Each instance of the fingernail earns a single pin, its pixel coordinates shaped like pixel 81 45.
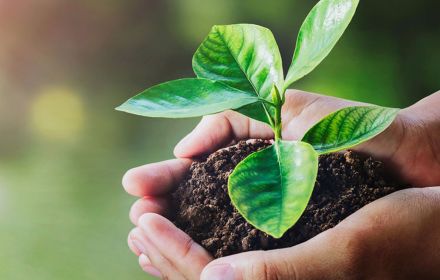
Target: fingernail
pixel 139 246
pixel 152 270
pixel 218 272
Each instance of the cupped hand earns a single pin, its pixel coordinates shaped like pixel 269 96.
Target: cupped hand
pixel 166 251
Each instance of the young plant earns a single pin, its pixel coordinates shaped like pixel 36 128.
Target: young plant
pixel 239 68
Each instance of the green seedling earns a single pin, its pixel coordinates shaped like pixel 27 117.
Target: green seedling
pixel 238 67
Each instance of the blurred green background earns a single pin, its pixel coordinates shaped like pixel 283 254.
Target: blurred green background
pixel 64 66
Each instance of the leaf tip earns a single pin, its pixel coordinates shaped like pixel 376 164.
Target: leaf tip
pixel 217 27
pixel 121 108
pixel 124 107
pixel 276 235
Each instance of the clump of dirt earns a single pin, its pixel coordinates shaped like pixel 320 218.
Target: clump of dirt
pixel 346 182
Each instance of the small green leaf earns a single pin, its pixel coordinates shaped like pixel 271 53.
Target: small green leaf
pixel 243 56
pixel 187 98
pixel 349 127
pixel 319 33
pixel 271 188
pixel 258 111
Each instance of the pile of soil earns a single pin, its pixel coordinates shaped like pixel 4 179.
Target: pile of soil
pixel 346 182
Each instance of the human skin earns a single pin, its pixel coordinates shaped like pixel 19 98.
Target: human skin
pixel 395 237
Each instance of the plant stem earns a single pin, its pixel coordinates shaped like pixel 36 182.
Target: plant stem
pixel 277 131
pixel 278 125
pixel 278 102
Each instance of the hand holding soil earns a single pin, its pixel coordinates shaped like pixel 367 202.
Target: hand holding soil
pixel 393 237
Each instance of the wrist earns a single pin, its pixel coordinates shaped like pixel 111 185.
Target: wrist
pixel 411 145
pixel 419 146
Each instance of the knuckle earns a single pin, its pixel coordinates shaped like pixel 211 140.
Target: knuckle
pixel 353 245
pixel 271 272
pixel 162 264
pixel 144 261
pixel 187 247
pixel 261 268
pixel 291 270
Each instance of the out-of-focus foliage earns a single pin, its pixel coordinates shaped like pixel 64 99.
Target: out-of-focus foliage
pixel 64 66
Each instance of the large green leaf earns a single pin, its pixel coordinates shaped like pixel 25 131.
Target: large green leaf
pixel 319 33
pixel 271 188
pixel 243 56
pixel 187 98
pixel 349 127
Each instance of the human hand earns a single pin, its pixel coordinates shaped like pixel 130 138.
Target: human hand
pixel 155 234
pixel 396 237
pixel 410 146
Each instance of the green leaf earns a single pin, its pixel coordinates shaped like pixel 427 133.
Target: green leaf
pixel 243 56
pixel 187 98
pixel 271 188
pixel 258 111
pixel 319 33
pixel 349 127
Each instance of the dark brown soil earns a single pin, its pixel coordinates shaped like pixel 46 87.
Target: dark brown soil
pixel 345 183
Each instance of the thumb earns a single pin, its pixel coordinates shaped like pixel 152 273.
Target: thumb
pixel 251 265
pixel 213 132
pixel 216 131
pixel 327 255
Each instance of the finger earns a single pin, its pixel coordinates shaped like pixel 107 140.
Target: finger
pixel 158 205
pixel 326 254
pixel 217 131
pixel 174 245
pixel 146 247
pixel 146 266
pixel 211 133
pixel 131 245
pixel 155 178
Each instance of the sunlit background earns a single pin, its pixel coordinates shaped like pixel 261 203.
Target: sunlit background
pixel 64 66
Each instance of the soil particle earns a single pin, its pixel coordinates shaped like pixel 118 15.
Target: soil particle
pixel 346 182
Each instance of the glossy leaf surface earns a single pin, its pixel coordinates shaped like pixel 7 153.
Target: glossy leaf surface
pixel 187 98
pixel 319 33
pixel 349 127
pixel 271 188
pixel 243 56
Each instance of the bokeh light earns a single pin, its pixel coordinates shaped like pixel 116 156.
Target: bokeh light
pixel 57 113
